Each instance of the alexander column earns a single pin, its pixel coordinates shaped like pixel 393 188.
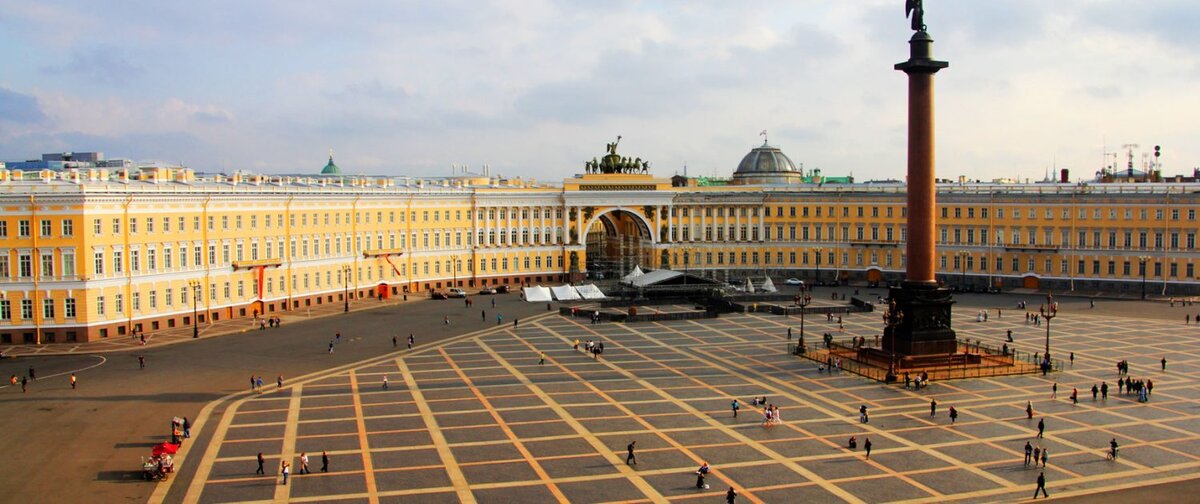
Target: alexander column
pixel 924 327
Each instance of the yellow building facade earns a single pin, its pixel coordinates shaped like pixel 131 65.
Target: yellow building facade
pixel 87 255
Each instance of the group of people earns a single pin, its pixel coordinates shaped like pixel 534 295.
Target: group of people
pixel 263 323
pixel 285 468
pixel 595 348
pixel 922 380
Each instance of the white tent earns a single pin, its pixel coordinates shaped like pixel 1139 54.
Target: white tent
pixel 768 286
pixel 590 291
pixel 637 272
pixel 749 285
pixel 537 294
pixel 565 293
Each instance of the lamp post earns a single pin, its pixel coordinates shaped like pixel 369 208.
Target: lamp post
pixel 454 268
pixel 818 250
pixel 1142 266
pixel 802 300
pixel 892 318
pixel 195 286
pixel 346 288
pixel 962 267
pixel 1048 312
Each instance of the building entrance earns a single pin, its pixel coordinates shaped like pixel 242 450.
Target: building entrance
pixel 617 242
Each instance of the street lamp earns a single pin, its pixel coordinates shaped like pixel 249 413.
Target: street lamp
pixel 802 300
pixel 962 266
pixel 1142 265
pixel 346 288
pixel 818 250
pixel 892 318
pixel 195 285
pixel 454 268
pixel 1048 312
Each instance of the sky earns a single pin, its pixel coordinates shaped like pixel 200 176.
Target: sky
pixel 534 88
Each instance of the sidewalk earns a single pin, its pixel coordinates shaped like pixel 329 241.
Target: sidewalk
pixel 181 334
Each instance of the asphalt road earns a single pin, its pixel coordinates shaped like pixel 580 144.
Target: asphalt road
pixel 85 445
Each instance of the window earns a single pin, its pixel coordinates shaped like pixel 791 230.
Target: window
pixel 68 227
pixel 24 266
pixel 136 304
pixel 47 264
pixel 99 266
pixel 23 228
pixel 4 272
pixel 45 227
pixel 48 309
pixel 118 262
pixel 5 309
pixel 3 229
pixel 119 303
pixel 27 309
pixel 150 224
pixel 68 264
pixel 100 305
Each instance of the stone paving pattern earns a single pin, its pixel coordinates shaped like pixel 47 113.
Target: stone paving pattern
pixel 479 419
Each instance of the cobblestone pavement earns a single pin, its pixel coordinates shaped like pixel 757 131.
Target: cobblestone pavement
pixel 478 418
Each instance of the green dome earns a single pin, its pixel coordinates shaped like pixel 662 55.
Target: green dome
pixel 330 168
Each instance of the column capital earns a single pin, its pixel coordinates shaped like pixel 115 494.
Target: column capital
pixel 920 60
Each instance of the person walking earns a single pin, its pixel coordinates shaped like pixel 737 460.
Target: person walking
pixel 259 382
pixel 393 342
pixel 1095 391
pixel 187 428
pixel 932 407
pixel 1041 427
pixel 32 374
pixel 1028 452
pixel 953 415
pixel 304 463
pixel 324 461
pixel 1164 364
pixel 1072 358
pixel 141 362
pixel 251 382
pixel 700 474
pixel 731 496
pixel 734 406
pixel 279 382
pixel 1104 390
pixel 515 321
pixel 72 381
pixel 1041 486
pixel 1054 391
pixel 287 470
pixel 862 414
pixel 867 447
pixel 330 347
pixel 385 382
pixel 542 360
pixel 411 341
pixel 630 459
pixel 499 319
pixel 261 460
pixel 1029 409
pixel 24 383
pixel 1074 395
pixel 1045 456
pixel 1113 449
pixel 493 302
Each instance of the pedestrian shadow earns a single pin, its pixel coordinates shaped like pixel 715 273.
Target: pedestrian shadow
pixel 121 476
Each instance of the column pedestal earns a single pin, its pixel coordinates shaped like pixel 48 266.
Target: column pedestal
pixel 925 328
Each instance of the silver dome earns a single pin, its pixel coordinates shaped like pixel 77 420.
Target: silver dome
pixel 765 159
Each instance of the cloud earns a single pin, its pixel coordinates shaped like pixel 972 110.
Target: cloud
pixel 19 108
pixel 103 64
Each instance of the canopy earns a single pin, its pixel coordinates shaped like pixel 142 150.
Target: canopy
pixel 590 291
pixel 162 448
pixel 768 286
pixel 749 285
pixel 637 272
pixel 537 294
pixel 565 293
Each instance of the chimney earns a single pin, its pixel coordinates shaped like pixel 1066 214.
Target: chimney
pixel 1064 176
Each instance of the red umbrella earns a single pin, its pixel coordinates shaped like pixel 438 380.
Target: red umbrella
pixel 162 448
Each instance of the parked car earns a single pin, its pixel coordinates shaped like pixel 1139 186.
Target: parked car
pixel 487 291
pixel 501 289
pixel 795 281
pixel 437 295
pixel 457 293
